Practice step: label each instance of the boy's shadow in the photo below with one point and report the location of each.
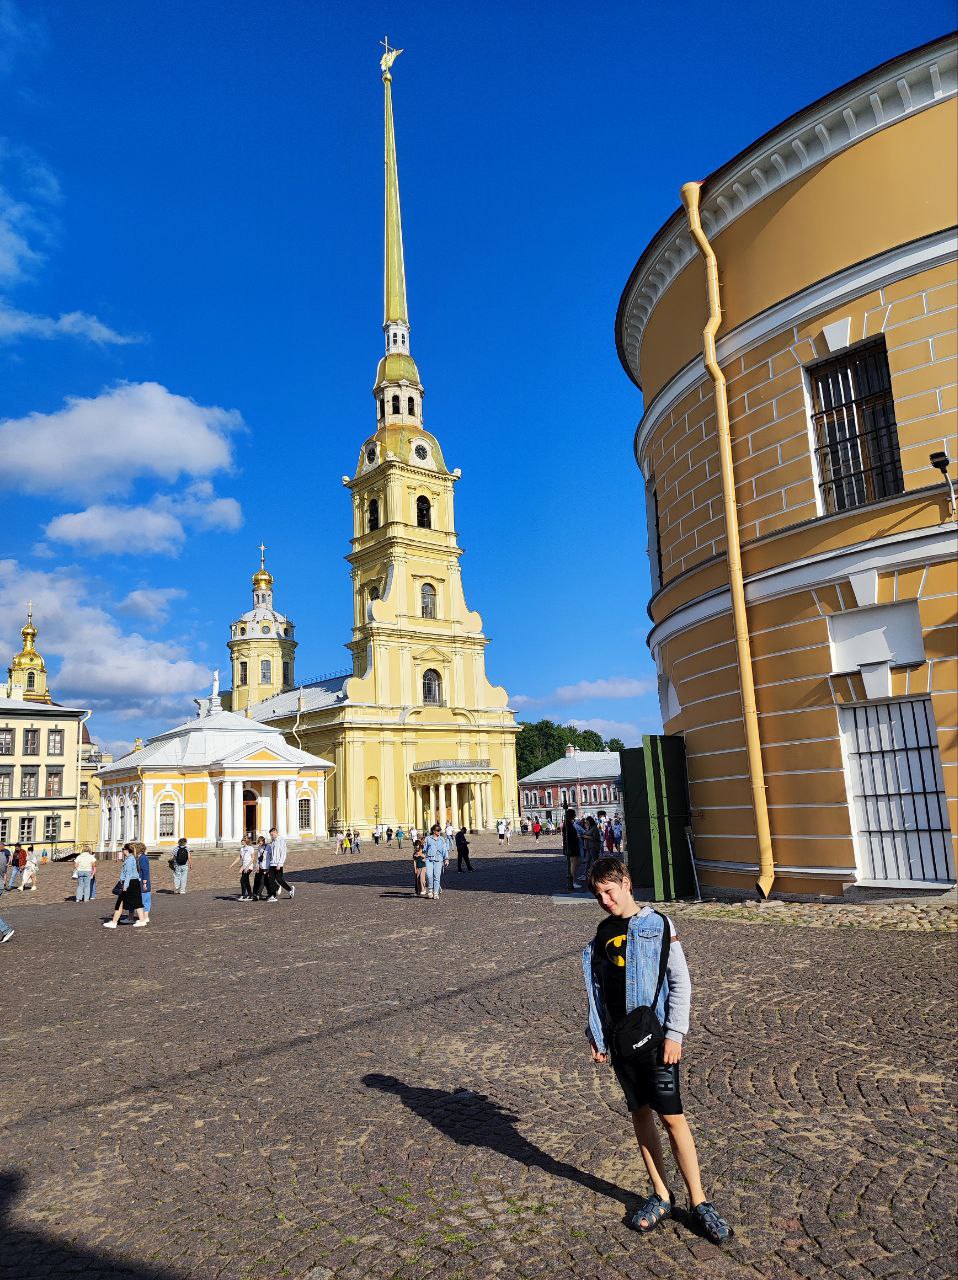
(472, 1119)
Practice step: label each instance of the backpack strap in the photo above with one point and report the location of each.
(663, 956)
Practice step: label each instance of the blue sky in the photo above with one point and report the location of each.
(191, 300)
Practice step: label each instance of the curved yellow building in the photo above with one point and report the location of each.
(793, 330)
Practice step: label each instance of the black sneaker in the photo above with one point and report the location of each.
(711, 1223)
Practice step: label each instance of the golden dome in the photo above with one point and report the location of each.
(397, 367)
(262, 578)
(28, 656)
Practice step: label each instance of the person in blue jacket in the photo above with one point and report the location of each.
(436, 852)
(143, 866)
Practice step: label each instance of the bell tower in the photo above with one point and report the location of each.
(415, 643)
(28, 671)
(262, 648)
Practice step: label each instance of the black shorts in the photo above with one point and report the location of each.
(650, 1086)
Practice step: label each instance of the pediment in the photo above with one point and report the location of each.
(262, 756)
(431, 654)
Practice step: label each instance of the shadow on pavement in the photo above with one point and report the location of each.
(495, 875)
(25, 1254)
(472, 1119)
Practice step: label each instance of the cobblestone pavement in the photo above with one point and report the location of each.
(359, 1084)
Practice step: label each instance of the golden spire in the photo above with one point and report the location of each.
(29, 633)
(28, 671)
(394, 289)
(262, 578)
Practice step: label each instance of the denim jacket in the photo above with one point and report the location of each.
(435, 848)
(642, 950)
(129, 871)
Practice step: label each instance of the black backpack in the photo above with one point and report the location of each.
(182, 856)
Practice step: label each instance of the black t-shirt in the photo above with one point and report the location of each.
(608, 959)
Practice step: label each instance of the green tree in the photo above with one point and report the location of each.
(540, 742)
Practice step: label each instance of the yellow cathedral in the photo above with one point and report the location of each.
(416, 732)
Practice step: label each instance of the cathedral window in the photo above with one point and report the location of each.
(411, 402)
(382, 406)
(432, 688)
(305, 815)
(423, 513)
(373, 515)
(397, 407)
(395, 338)
(31, 680)
(287, 674)
(243, 672)
(404, 339)
(428, 597)
(265, 671)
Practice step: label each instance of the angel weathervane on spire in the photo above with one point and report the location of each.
(388, 58)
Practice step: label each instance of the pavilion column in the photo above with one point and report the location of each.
(480, 810)
(211, 824)
(279, 822)
(104, 820)
(487, 797)
(420, 807)
(146, 814)
(433, 805)
(454, 797)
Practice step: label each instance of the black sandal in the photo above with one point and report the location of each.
(652, 1211)
(711, 1223)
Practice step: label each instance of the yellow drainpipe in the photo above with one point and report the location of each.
(753, 742)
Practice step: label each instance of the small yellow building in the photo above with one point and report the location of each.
(209, 780)
(799, 484)
(40, 756)
(416, 730)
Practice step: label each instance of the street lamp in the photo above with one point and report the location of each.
(941, 462)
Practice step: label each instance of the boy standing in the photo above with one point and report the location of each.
(621, 967)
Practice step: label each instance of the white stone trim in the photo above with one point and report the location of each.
(897, 551)
(751, 868)
(881, 98)
(823, 296)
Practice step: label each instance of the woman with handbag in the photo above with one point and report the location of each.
(128, 893)
(640, 994)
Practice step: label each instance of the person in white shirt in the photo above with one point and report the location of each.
(277, 861)
(244, 860)
(501, 830)
(450, 831)
(84, 865)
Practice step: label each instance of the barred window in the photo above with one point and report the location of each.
(243, 672)
(427, 596)
(265, 671)
(856, 436)
(31, 742)
(305, 815)
(432, 688)
(167, 825)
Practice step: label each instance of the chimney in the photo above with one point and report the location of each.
(569, 751)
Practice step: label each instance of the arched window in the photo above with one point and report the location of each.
(432, 688)
(428, 597)
(411, 406)
(287, 674)
(423, 513)
(404, 339)
(265, 671)
(395, 338)
(373, 514)
(396, 405)
(382, 406)
(167, 824)
(31, 680)
(243, 672)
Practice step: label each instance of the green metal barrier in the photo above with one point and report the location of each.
(655, 800)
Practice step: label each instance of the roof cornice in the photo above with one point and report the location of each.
(881, 97)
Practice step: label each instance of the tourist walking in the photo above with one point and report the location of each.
(638, 985)
(84, 867)
(260, 878)
(436, 852)
(617, 833)
(570, 847)
(28, 879)
(501, 830)
(146, 884)
(462, 850)
(276, 861)
(536, 830)
(18, 860)
(245, 860)
(389, 837)
(400, 836)
(129, 896)
(180, 865)
(6, 857)
(419, 868)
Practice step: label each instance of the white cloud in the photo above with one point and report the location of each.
(151, 604)
(154, 529)
(630, 733)
(98, 446)
(102, 666)
(103, 530)
(15, 324)
(17, 33)
(584, 690)
(27, 191)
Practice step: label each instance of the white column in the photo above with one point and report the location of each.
(266, 806)
(234, 798)
(281, 806)
(454, 797)
(104, 819)
(117, 838)
(480, 808)
(147, 815)
(487, 804)
(211, 823)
